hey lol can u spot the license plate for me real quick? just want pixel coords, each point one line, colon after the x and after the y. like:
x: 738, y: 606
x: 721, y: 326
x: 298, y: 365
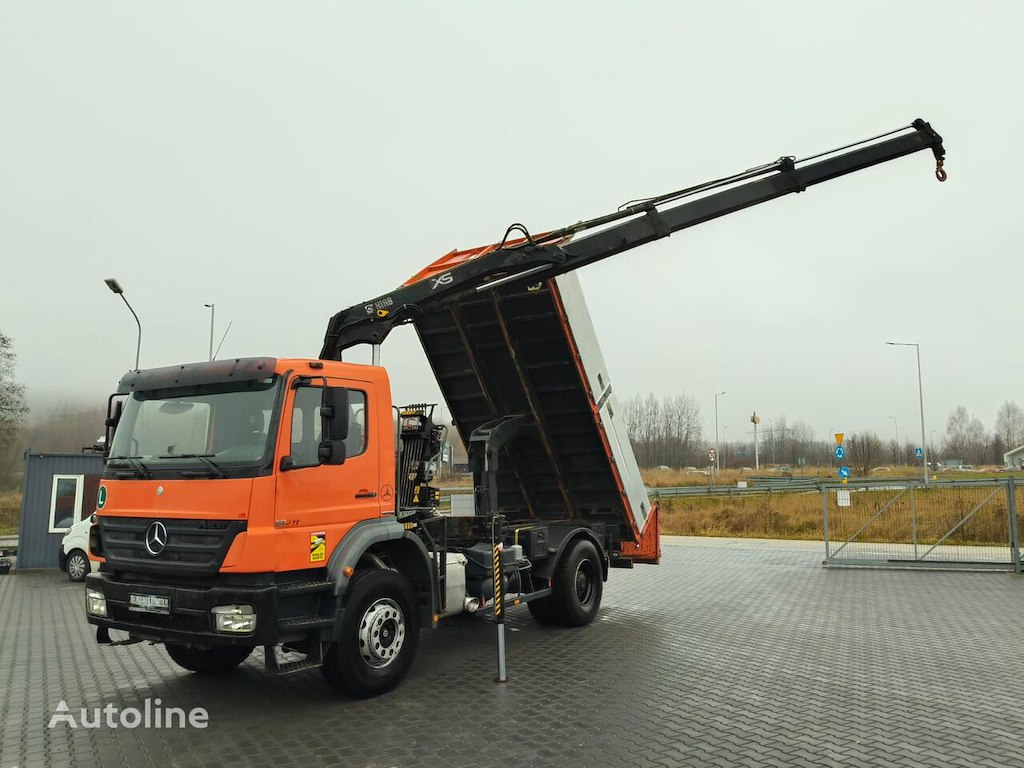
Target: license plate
x: 149, y: 603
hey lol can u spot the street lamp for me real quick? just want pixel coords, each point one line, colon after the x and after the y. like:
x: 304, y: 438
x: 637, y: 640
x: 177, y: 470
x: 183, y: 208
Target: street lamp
x: 115, y: 287
x: 920, y: 395
x: 718, y: 456
x: 213, y: 309
x: 895, y: 426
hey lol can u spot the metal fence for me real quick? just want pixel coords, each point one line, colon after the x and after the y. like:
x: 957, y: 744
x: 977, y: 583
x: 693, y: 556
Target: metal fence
x: 947, y: 524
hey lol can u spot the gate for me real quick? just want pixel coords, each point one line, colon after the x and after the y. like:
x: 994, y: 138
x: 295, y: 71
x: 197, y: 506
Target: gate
x: 945, y: 524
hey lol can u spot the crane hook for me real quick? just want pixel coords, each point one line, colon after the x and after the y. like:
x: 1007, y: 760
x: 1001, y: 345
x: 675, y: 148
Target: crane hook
x: 940, y: 172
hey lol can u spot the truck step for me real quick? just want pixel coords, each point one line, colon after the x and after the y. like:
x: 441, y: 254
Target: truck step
x: 293, y: 588
x: 297, y: 666
x: 301, y: 623
x: 315, y: 659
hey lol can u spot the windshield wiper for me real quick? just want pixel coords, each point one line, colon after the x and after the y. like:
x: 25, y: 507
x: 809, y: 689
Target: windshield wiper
x: 215, y: 468
x: 137, y: 466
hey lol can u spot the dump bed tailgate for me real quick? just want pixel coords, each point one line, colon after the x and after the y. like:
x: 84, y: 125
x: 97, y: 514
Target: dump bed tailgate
x: 531, y: 349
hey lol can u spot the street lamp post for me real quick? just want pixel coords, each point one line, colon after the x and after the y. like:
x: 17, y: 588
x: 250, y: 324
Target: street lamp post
x: 115, y: 287
x: 718, y: 452
x: 920, y: 395
x: 896, y: 427
x: 755, y: 420
x: 213, y: 309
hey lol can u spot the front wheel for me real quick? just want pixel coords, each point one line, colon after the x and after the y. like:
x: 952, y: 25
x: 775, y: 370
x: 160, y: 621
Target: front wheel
x: 77, y: 565
x: 207, y: 661
x: 379, y: 635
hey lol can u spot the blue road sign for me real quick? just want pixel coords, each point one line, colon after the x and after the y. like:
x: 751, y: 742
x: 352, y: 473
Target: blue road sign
x: 844, y: 472
x: 840, y: 452
x: 918, y: 453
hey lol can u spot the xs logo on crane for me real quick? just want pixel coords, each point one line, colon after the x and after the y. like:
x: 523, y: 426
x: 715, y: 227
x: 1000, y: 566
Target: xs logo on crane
x: 437, y: 282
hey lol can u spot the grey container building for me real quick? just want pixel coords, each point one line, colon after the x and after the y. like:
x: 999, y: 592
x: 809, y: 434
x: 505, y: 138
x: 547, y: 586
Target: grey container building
x: 60, y: 489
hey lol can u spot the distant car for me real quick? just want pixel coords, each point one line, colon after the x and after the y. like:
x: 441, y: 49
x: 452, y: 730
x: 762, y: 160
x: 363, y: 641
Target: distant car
x: 74, y: 560
x: 663, y: 466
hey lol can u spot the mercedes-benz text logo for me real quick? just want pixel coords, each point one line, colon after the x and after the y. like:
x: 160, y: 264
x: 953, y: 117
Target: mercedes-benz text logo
x: 156, y: 538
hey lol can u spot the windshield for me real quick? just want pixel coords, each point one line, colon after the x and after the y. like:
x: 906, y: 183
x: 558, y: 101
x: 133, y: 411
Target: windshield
x: 210, y: 428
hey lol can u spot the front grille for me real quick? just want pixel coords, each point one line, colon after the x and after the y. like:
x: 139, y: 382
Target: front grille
x: 192, y: 547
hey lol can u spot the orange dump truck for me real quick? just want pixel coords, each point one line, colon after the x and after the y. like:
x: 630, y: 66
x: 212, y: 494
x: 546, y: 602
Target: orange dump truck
x: 288, y: 503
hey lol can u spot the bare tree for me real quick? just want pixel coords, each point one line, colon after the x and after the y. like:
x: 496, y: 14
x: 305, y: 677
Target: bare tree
x: 664, y: 431
x: 865, y: 451
x: 799, y: 440
x: 12, y: 411
x: 1010, y: 425
x: 965, y: 437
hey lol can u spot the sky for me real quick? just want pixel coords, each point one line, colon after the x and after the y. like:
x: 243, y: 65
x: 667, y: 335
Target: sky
x: 285, y: 160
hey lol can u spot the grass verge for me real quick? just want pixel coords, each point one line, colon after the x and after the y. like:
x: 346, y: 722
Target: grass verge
x: 10, y: 511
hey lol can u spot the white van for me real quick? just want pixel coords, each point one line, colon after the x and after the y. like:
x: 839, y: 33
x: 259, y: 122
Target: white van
x: 74, y: 548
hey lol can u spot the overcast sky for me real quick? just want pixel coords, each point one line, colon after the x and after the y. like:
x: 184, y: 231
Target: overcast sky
x: 288, y: 159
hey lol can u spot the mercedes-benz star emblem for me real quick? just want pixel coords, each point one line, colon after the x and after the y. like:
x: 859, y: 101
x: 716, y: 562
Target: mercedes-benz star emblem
x: 156, y: 538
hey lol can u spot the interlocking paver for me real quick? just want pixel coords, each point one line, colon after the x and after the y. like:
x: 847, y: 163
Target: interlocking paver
x: 718, y: 657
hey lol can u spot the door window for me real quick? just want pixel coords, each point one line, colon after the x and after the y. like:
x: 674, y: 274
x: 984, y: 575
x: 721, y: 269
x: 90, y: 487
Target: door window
x: 307, y: 426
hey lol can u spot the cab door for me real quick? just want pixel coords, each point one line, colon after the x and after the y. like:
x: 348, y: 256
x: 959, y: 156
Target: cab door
x: 316, y: 504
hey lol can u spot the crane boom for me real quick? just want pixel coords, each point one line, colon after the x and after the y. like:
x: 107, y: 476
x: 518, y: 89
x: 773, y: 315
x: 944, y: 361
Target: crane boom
x: 532, y: 257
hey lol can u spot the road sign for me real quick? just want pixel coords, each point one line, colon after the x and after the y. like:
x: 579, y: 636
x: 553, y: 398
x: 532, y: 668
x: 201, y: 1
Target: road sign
x: 712, y: 455
x: 839, y: 437
x: 844, y: 472
x: 918, y: 453
x: 840, y: 452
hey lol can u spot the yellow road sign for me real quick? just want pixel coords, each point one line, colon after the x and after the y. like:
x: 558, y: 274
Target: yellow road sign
x: 839, y: 437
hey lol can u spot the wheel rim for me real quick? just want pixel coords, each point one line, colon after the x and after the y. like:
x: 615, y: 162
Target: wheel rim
x: 585, y: 583
x: 381, y: 633
x: 76, y: 567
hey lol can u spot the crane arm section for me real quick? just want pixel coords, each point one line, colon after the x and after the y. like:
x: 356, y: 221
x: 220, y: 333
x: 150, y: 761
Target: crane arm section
x: 540, y: 257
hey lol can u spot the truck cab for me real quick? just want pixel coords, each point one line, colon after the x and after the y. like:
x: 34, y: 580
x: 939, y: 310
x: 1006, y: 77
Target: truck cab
x: 238, y: 449
x: 228, y: 488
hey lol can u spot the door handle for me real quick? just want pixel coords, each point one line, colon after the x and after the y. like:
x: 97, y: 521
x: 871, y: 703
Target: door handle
x: 366, y: 495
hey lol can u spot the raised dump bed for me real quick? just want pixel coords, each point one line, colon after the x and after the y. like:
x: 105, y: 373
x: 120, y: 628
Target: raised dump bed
x: 531, y: 349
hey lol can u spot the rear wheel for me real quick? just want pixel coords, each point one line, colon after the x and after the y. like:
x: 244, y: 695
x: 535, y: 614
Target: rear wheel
x: 77, y: 565
x: 207, y: 661
x: 544, y: 611
x: 576, y: 588
x: 379, y: 635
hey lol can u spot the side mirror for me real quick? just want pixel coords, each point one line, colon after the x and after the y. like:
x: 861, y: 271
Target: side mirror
x: 332, y: 452
x: 114, y: 410
x: 334, y: 411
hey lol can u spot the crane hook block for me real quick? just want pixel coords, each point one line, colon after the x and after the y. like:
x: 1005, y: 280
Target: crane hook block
x: 940, y: 172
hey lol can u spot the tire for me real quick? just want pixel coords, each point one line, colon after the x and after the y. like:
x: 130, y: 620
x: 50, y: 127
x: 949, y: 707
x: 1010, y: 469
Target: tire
x: 576, y: 589
x: 208, y: 661
x: 379, y: 635
x: 77, y: 565
x: 543, y: 611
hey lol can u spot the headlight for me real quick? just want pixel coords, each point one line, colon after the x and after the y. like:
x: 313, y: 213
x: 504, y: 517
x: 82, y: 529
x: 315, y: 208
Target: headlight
x: 240, y: 619
x: 95, y: 602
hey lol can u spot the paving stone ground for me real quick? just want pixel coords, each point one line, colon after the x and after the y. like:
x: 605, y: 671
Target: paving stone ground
x: 719, y: 657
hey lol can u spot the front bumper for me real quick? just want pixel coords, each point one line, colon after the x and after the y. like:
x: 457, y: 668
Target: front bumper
x: 189, y: 620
